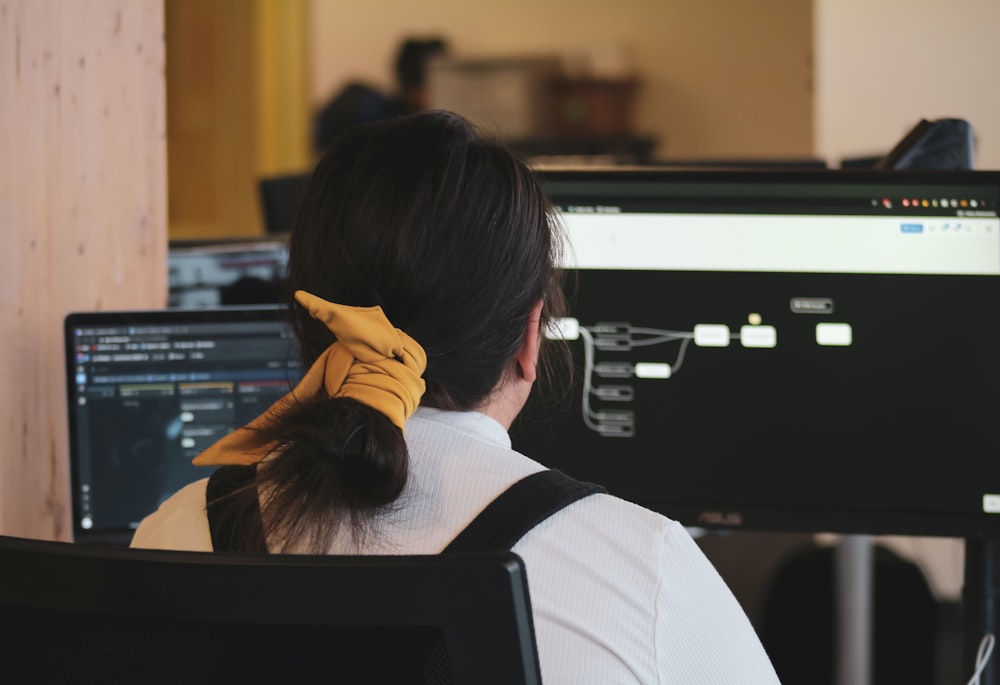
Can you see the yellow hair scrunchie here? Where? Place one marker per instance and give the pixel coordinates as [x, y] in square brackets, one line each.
[371, 362]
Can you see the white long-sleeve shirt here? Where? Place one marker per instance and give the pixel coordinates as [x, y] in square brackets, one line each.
[619, 594]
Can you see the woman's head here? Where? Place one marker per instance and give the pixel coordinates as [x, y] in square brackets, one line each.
[451, 235]
[446, 230]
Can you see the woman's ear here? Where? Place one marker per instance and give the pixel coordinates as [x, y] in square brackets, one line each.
[526, 358]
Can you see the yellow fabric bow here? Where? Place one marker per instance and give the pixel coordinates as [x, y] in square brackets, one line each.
[371, 362]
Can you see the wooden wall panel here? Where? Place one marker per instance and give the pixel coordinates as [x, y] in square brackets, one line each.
[210, 117]
[237, 109]
[82, 216]
[284, 115]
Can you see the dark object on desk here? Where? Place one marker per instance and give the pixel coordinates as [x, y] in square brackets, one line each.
[860, 162]
[279, 200]
[933, 144]
[798, 613]
[87, 614]
[249, 290]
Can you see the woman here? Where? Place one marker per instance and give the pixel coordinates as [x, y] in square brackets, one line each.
[427, 253]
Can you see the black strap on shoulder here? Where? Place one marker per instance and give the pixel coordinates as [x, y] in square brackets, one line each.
[498, 527]
[520, 508]
[224, 522]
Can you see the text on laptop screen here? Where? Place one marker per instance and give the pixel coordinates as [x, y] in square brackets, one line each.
[151, 390]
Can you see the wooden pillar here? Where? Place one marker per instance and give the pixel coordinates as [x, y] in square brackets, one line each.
[82, 216]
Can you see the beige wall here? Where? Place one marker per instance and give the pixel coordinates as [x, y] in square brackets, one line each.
[882, 65]
[82, 216]
[721, 78]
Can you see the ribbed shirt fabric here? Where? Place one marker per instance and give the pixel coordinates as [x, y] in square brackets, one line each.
[620, 594]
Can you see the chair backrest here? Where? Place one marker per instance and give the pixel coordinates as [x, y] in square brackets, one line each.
[933, 144]
[279, 200]
[76, 613]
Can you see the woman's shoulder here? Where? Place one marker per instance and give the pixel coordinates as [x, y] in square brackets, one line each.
[606, 532]
[179, 523]
[609, 571]
[630, 519]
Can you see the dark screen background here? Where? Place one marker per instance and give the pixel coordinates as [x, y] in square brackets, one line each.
[900, 422]
[136, 423]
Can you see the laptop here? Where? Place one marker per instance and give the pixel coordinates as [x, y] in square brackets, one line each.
[149, 390]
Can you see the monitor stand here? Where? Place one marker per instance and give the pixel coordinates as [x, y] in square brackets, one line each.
[854, 577]
[981, 609]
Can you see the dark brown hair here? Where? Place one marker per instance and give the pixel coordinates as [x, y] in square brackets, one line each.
[450, 233]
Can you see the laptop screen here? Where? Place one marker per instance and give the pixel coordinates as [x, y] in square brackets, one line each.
[149, 390]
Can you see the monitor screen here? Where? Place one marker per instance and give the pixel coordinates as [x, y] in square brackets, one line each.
[233, 273]
[149, 390]
[782, 351]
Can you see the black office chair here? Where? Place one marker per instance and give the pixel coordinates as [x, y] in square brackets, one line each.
[81, 614]
[933, 144]
[279, 200]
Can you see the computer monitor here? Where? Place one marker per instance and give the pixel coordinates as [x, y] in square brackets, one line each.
[226, 273]
[149, 390]
[807, 351]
